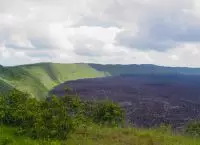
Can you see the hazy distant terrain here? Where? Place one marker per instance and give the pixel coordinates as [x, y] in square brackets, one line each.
[148, 99]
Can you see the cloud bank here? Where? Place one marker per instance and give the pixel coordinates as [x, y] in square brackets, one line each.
[163, 32]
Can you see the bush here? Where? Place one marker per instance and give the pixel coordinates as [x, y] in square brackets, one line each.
[55, 118]
[109, 113]
[193, 128]
[37, 119]
[53, 121]
[105, 112]
[13, 107]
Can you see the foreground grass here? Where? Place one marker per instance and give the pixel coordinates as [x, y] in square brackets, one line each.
[8, 137]
[95, 135]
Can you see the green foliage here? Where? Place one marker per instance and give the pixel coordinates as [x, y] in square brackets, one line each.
[53, 121]
[54, 118]
[38, 119]
[107, 112]
[193, 128]
[103, 112]
[12, 107]
[2, 109]
[6, 141]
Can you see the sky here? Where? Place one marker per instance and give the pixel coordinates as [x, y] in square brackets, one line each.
[161, 32]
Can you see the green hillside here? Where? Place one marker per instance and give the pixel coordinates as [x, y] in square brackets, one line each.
[4, 87]
[37, 79]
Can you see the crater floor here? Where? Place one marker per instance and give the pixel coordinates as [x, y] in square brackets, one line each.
[149, 100]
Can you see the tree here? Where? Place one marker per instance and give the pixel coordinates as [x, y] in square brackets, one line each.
[107, 112]
[15, 111]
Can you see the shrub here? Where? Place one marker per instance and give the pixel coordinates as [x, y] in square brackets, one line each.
[55, 117]
[193, 128]
[107, 112]
[38, 119]
[13, 107]
[50, 120]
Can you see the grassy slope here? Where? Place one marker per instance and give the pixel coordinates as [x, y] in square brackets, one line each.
[4, 87]
[95, 135]
[37, 79]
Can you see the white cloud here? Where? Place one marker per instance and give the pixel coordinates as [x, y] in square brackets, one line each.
[174, 57]
[163, 32]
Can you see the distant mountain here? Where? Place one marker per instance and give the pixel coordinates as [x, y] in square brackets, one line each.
[38, 79]
[117, 69]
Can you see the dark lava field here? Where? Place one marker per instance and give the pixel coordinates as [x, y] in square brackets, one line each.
[149, 100]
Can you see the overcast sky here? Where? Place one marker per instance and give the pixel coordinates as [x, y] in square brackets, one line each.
[162, 32]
